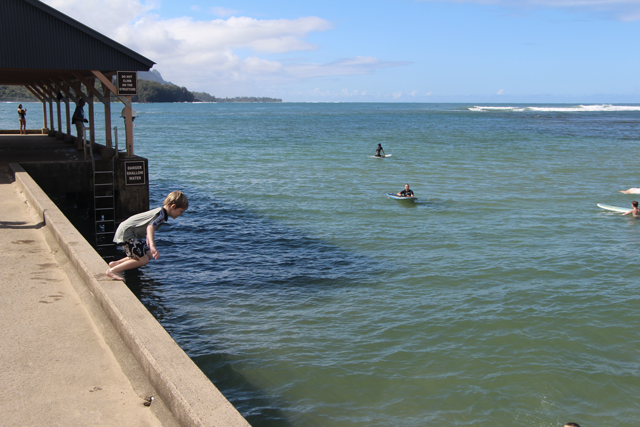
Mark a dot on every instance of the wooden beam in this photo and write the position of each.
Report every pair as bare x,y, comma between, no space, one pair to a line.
90,87
62,87
106,82
42,93
77,88
54,96
68,88
36,91
128,109
43,86
36,94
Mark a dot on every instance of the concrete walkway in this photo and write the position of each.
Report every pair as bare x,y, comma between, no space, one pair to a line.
57,366
76,347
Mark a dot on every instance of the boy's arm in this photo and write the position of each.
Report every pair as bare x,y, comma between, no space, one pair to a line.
152,244
631,211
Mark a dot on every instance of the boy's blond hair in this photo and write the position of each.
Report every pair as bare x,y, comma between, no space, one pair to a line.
176,198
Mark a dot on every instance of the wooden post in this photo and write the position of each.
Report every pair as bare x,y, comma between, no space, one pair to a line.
50,95
64,88
44,114
53,126
107,116
126,100
92,127
66,102
59,115
128,123
34,90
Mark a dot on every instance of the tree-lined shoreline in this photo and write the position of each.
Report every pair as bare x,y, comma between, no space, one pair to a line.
153,90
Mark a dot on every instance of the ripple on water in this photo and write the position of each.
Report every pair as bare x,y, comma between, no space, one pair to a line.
504,296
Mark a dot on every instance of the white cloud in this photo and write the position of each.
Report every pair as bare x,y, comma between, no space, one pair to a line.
223,11
102,15
414,93
196,53
500,92
348,94
623,10
343,67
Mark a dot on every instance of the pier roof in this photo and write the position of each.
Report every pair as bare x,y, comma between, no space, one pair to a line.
39,43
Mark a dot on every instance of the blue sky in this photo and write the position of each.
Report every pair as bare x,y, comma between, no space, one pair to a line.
577,51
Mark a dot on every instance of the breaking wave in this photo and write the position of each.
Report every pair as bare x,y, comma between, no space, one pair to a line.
555,109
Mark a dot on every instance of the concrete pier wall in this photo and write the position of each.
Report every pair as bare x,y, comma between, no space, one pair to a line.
188,393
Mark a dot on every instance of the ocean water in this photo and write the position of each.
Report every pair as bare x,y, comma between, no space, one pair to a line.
503,297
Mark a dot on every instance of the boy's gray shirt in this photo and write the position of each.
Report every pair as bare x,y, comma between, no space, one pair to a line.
136,226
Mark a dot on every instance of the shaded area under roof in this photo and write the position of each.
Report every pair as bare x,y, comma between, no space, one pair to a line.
39,43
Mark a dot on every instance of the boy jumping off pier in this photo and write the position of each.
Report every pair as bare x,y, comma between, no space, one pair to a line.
131,233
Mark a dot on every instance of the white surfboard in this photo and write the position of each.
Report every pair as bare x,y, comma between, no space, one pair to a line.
614,208
381,157
395,196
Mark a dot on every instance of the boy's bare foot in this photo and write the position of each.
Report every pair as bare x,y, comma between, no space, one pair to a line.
114,275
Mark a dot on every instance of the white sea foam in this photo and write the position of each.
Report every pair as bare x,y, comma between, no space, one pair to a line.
576,108
481,109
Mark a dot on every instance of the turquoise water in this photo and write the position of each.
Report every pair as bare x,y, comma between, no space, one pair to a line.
503,296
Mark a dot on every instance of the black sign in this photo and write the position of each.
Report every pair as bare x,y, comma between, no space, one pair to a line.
127,83
134,173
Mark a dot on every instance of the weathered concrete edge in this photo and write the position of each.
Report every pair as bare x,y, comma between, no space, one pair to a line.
187,392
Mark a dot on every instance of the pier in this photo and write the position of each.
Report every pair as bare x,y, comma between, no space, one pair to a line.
77,347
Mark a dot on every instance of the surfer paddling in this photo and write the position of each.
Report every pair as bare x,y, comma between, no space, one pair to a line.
635,211
378,150
631,191
131,233
406,192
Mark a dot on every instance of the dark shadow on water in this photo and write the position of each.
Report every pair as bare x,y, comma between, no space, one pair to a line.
258,409
222,248
254,404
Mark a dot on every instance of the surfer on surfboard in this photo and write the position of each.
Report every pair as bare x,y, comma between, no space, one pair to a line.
406,192
378,150
635,211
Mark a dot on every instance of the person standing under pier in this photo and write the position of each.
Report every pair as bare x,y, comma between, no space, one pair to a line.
22,118
79,120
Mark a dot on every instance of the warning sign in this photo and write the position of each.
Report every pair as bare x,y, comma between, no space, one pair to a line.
127,83
135,173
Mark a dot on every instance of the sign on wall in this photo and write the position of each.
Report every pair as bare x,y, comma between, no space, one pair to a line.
134,173
127,83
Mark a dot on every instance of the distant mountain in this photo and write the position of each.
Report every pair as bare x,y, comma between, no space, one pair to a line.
153,76
151,88
153,93
16,94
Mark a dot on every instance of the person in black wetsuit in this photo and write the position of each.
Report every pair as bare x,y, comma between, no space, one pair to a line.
406,192
378,150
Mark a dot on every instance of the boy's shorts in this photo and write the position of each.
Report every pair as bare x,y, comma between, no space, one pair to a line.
135,248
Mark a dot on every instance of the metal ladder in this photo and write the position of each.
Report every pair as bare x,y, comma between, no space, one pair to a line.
104,203
104,207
